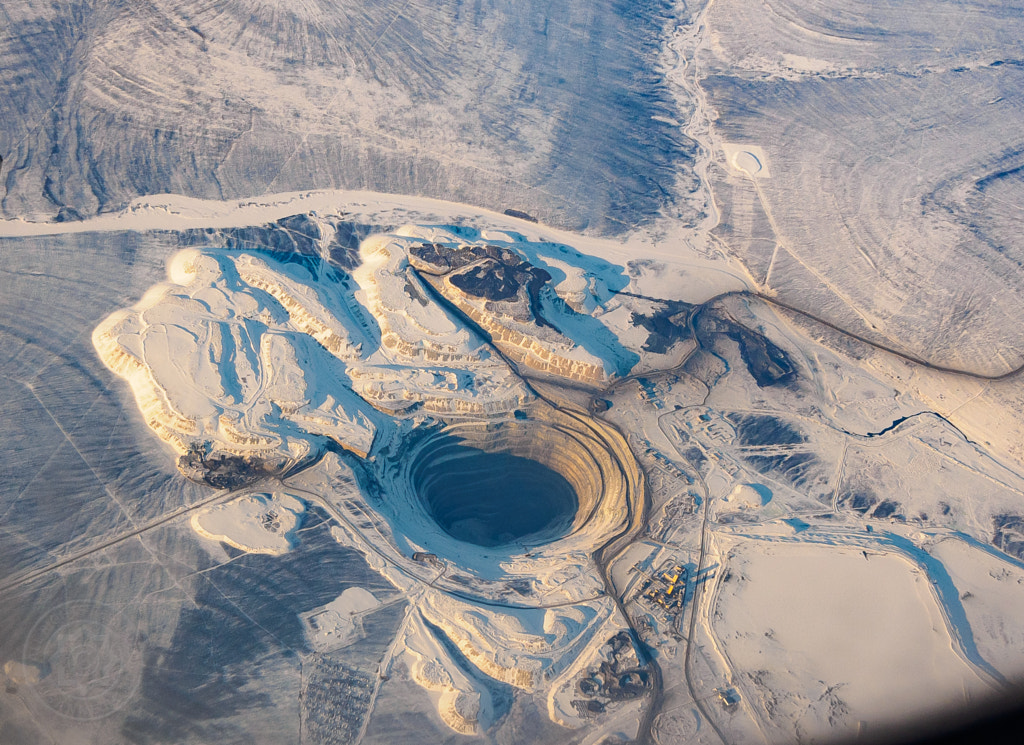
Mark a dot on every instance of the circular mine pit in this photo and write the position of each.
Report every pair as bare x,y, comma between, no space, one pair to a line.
521,483
492,499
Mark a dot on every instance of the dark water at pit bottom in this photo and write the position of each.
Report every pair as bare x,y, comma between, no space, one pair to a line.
492,499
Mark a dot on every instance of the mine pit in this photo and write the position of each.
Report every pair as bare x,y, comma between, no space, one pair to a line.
520,484
492,499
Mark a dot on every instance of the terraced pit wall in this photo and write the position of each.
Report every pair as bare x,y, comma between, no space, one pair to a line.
591,456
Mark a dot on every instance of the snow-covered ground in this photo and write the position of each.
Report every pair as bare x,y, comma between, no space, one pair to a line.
845,580
258,523
783,533
831,641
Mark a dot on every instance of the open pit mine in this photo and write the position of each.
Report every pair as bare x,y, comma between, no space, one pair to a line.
536,488
527,373
486,498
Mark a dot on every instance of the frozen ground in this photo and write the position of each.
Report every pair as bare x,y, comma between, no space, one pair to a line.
766,328
806,475
891,166
485,103
861,633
